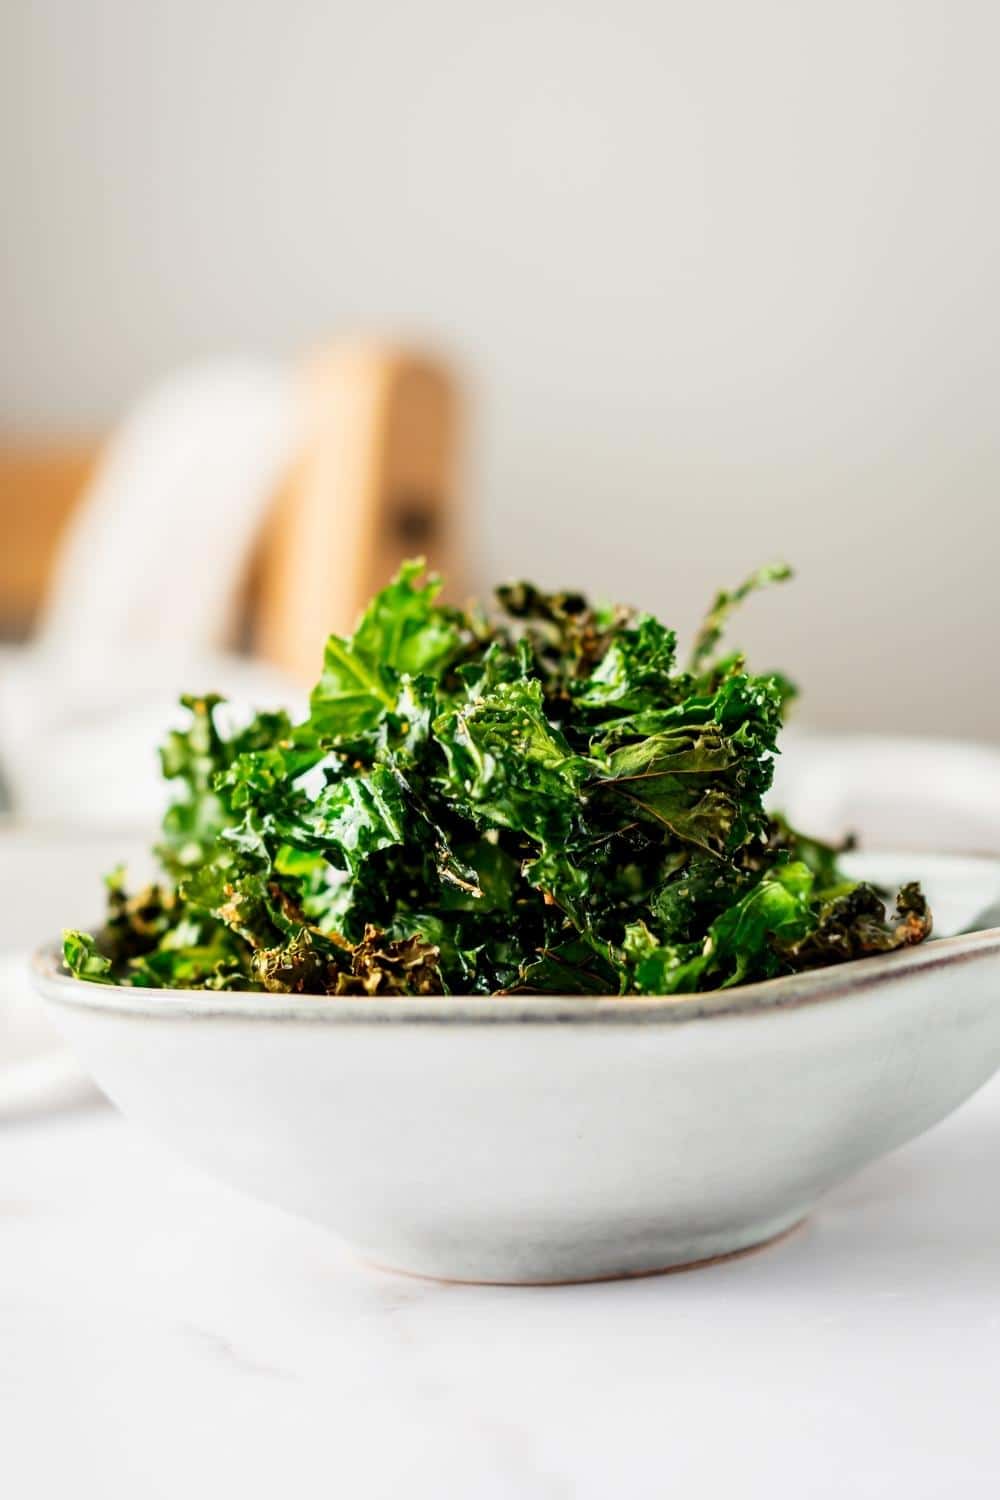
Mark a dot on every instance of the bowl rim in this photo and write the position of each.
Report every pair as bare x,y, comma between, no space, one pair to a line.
789,992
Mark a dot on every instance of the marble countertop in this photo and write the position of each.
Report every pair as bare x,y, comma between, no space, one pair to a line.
162,1336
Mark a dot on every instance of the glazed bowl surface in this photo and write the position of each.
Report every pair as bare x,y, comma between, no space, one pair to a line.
529,1139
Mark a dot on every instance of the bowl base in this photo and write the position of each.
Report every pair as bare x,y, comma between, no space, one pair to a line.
698,1264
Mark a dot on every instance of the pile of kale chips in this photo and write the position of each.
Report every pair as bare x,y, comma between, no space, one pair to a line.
534,801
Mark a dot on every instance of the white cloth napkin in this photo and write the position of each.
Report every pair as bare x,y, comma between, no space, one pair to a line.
143,595
159,545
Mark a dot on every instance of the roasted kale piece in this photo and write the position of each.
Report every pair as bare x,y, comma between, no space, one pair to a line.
540,801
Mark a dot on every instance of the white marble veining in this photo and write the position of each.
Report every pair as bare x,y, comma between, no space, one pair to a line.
162,1337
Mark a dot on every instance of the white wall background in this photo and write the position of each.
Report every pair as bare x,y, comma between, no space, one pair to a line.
727,275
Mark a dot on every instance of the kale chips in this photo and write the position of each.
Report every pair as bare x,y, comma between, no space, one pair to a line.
535,800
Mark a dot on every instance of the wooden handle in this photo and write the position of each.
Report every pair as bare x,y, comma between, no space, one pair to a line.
40,483
375,484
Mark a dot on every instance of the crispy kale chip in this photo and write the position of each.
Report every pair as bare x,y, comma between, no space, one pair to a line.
538,801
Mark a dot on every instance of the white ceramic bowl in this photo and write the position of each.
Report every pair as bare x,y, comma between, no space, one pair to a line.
534,1140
